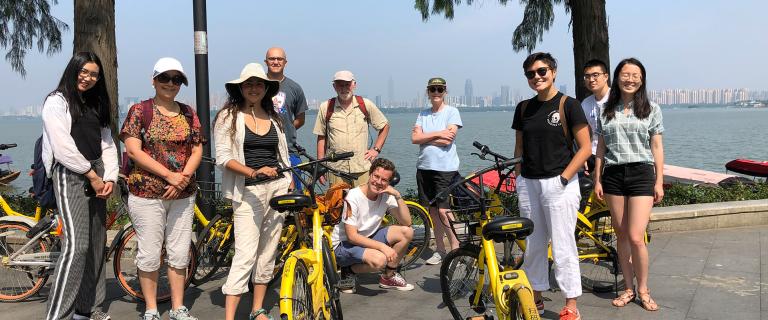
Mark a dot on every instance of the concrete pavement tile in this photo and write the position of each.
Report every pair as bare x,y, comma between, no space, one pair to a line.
741,234
677,266
726,295
686,248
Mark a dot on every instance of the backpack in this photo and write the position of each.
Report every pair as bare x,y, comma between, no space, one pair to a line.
42,184
147,112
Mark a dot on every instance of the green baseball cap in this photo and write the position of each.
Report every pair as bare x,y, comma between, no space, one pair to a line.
436,82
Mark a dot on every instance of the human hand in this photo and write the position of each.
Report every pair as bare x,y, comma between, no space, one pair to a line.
370,154
267,171
98,186
440,142
177,180
171,193
598,190
392,191
586,169
390,253
107,191
446,135
658,192
322,180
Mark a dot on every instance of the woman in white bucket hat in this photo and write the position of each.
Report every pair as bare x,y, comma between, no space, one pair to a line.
250,146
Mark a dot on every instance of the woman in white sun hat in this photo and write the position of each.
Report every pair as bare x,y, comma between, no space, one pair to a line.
250,147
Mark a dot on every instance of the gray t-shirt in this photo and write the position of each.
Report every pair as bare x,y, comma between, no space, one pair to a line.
289,102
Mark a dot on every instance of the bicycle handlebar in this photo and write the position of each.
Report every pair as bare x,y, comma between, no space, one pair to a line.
7,146
485,150
345,176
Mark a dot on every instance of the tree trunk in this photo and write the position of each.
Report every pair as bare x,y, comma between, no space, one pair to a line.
95,32
590,38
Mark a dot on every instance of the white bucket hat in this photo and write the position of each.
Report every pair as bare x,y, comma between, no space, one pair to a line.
252,70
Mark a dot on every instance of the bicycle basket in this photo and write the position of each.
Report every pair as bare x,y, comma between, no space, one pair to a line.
210,193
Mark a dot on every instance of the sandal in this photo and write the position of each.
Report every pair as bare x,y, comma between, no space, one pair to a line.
255,314
646,301
624,299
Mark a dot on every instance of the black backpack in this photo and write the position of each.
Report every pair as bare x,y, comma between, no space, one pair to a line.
42,185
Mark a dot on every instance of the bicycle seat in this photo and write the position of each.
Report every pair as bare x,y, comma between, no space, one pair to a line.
290,202
585,183
507,228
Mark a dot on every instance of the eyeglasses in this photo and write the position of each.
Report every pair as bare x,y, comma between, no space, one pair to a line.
588,76
278,59
436,89
88,73
532,73
164,78
628,76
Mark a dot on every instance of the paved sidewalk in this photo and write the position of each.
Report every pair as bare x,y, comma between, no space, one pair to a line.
714,274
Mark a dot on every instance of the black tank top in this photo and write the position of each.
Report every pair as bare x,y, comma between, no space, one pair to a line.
86,132
260,151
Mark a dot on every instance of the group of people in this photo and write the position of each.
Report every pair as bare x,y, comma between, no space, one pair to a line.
615,138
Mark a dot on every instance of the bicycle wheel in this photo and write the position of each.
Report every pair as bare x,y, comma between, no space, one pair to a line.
125,270
299,303
459,276
515,309
19,282
599,269
422,231
330,279
210,251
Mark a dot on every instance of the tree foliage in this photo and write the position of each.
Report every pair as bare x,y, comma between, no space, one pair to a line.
26,23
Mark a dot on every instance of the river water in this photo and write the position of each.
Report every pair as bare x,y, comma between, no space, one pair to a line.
702,138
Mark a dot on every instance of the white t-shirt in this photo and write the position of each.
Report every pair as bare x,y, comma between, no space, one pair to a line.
592,110
365,214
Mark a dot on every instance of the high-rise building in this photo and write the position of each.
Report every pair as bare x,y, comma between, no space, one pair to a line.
378,101
468,97
504,96
564,89
391,92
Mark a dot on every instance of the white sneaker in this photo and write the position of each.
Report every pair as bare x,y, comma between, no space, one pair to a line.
436,258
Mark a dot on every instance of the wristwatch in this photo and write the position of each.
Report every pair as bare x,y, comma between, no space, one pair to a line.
377,149
564,181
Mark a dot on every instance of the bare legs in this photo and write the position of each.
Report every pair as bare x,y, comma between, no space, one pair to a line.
630,216
148,282
441,219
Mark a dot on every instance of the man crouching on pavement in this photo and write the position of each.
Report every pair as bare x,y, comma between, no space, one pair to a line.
360,244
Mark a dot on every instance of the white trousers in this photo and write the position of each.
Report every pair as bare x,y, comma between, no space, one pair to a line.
159,222
552,208
257,234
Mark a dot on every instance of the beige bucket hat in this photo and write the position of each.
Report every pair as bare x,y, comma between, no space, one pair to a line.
252,70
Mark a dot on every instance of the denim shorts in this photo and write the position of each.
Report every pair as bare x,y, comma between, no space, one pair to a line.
630,179
348,254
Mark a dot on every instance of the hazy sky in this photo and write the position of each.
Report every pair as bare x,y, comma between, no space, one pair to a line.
684,44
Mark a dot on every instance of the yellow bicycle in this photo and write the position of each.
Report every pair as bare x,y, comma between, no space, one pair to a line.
475,282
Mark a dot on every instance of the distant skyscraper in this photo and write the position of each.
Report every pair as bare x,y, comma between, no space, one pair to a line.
378,101
504,95
564,89
391,92
468,97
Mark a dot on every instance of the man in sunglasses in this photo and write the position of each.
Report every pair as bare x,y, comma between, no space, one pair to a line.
596,81
289,101
342,126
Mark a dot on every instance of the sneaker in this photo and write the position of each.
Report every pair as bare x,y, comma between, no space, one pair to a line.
149,316
436,258
80,317
569,314
182,313
348,282
540,306
396,281
98,315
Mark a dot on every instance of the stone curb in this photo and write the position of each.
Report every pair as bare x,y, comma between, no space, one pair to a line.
709,216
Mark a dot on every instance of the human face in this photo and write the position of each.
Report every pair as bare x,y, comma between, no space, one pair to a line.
344,89
88,76
275,60
630,79
168,90
379,180
436,94
253,90
595,79
541,83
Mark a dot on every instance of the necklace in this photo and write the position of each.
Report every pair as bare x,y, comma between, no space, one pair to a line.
255,121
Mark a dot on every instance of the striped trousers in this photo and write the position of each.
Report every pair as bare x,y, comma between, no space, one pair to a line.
78,285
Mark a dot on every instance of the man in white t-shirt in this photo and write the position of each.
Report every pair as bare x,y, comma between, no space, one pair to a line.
359,242
596,80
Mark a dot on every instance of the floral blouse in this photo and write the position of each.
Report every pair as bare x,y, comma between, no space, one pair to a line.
169,141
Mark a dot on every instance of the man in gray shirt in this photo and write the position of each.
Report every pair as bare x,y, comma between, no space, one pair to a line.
289,102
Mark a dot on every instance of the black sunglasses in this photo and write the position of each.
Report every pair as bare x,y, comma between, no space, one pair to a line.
164,78
532,73
436,89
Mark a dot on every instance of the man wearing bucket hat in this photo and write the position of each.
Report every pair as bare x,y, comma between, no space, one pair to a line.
289,101
251,144
162,137
342,126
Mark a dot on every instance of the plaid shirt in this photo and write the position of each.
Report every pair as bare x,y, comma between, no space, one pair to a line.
627,138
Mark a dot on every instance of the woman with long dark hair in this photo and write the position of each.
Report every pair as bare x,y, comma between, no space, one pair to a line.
162,137
629,172
80,156
546,127
250,148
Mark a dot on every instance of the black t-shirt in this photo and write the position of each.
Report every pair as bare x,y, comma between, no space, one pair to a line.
546,152
86,132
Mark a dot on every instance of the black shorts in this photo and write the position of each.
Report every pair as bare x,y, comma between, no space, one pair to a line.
431,183
631,179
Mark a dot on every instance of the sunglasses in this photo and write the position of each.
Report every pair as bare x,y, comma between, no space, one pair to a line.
532,73
436,89
164,78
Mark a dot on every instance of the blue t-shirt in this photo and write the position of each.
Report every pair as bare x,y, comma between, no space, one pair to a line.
432,157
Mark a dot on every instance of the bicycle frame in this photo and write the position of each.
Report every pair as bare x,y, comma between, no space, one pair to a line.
10,212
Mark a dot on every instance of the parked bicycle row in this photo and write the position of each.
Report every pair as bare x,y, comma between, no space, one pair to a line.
320,241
